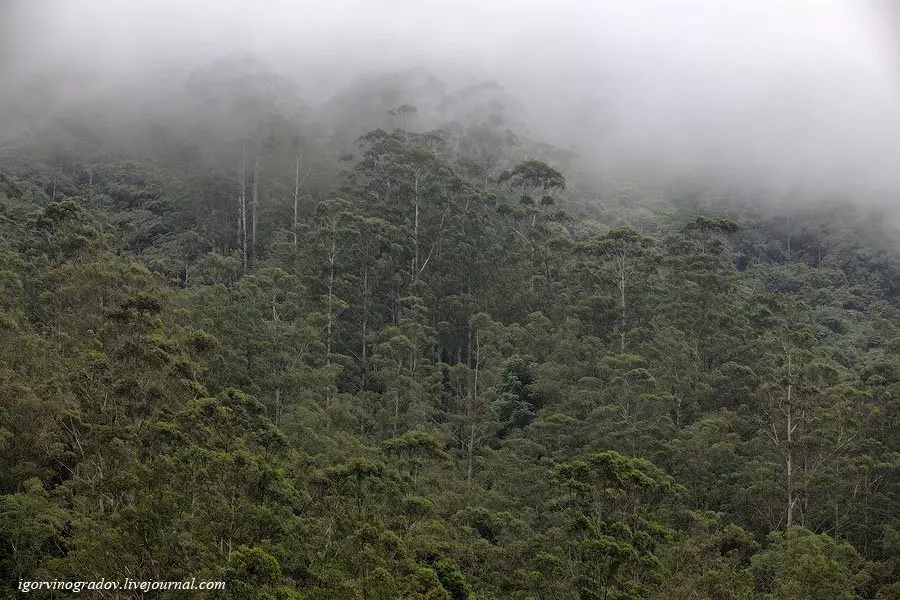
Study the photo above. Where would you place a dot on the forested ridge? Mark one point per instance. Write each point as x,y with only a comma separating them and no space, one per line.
393,347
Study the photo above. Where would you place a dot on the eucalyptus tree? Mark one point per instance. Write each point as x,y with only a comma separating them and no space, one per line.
627,256
699,290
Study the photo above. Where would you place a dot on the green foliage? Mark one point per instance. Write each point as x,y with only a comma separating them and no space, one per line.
534,175
452,580
447,372
803,565
30,525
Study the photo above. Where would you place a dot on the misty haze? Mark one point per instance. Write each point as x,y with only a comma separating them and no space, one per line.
465,300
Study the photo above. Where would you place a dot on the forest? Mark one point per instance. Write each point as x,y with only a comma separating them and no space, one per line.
397,346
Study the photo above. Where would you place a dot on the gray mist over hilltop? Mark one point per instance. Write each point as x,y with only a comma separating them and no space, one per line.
795,93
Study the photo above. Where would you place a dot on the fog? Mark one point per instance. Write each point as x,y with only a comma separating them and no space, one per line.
801,92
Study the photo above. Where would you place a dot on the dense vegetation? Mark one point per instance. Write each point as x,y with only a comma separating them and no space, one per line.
393,349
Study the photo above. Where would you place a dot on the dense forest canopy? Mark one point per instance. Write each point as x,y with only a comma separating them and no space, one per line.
396,344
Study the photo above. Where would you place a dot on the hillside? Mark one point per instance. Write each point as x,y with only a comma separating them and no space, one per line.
393,347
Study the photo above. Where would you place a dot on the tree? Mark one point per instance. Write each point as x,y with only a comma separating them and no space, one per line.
626,255
795,400
534,176
30,524
710,559
608,500
801,565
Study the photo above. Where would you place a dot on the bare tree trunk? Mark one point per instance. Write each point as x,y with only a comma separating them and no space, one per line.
365,325
255,207
623,278
468,347
274,370
416,233
789,236
471,450
296,196
396,409
277,407
332,258
791,501
473,406
243,217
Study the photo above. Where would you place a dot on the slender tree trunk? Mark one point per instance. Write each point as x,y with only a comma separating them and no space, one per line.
277,406
469,341
789,236
468,348
332,257
471,449
866,509
365,325
623,277
255,207
416,233
296,196
791,501
243,216
396,409
329,323
275,366
473,407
